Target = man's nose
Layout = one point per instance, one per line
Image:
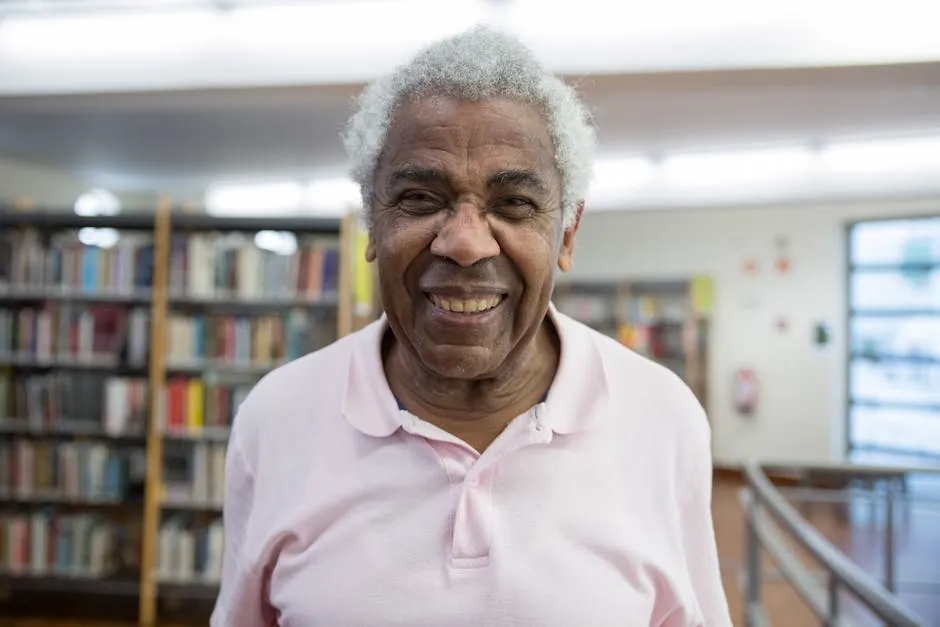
(465, 237)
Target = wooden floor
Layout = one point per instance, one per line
(860, 537)
(918, 547)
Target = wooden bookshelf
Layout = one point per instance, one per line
(666, 320)
(75, 370)
(172, 325)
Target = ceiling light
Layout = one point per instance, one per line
(913, 155)
(332, 197)
(97, 202)
(743, 167)
(620, 173)
(102, 238)
(278, 242)
(255, 199)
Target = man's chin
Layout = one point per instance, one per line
(463, 362)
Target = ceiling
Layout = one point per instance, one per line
(183, 141)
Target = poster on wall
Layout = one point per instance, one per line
(702, 295)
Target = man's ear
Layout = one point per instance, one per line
(566, 252)
(370, 247)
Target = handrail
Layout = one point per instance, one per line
(843, 572)
(805, 584)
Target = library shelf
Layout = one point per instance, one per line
(123, 365)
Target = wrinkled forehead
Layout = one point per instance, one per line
(488, 134)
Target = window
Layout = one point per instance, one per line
(894, 338)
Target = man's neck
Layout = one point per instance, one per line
(475, 411)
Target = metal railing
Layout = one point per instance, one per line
(771, 519)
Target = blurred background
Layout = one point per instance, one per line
(764, 220)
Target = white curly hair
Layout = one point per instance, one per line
(477, 64)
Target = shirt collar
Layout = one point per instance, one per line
(574, 402)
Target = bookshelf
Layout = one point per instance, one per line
(666, 320)
(121, 367)
(74, 386)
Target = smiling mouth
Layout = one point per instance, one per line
(466, 305)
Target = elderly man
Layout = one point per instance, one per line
(473, 458)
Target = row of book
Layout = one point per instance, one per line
(81, 402)
(62, 263)
(86, 333)
(193, 405)
(45, 543)
(202, 265)
(661, 340)
(68, 471)
(597, 308)
(194, 474)
(76, 331)
(266, 340)
(227, 265)
(190, 553)
(92, 404)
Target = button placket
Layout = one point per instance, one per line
(474, 519)
(473, 523)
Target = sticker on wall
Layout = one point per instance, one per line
(782, 324)
(751, 267)
(782, 261)
(821, 335)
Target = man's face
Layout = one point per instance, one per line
(467, 231)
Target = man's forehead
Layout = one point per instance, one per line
(448, 118)
(505, 135)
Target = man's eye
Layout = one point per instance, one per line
(514, 207)
(421, 202)
(417, 197)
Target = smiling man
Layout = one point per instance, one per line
(473, 458)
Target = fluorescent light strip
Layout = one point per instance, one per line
(903, 155)
(255, 199)
(884, 166)
(321, 198)
(730, 168)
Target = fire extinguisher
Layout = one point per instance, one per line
(745, 391)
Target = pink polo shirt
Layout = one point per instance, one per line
(591, 509)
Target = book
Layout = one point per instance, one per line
(194, 475)
(46, 543)
(190, 552)
(33, 262)
(230, 266)
(75, 333)
(78, 403)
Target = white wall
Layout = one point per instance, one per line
(54, 189)
(45, 186)
(801, 417)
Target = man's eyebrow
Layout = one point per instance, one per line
(416, 174)
(504, 178)
(517, 178)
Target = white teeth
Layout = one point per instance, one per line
(473, 305)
